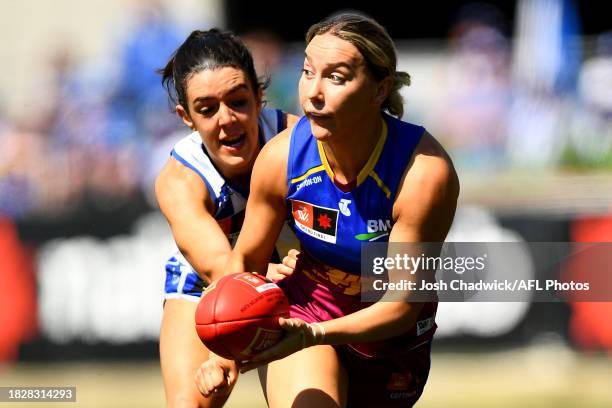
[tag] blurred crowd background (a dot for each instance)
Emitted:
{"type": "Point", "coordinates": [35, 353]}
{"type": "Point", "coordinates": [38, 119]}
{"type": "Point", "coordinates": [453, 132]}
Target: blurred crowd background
{"type": "Point", "coordinates": [525, 90]}
{"type": "Point", "coordinates": [519, 92]}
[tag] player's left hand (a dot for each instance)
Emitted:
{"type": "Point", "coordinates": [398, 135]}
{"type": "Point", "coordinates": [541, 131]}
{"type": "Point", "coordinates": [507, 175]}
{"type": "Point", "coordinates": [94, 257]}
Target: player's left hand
{"type": "Point", "coordinates": [217, 375]}
{"type": "Point", "coordinates": [277, 272]}
{"type": "Point", "coordinates": [298, 335]}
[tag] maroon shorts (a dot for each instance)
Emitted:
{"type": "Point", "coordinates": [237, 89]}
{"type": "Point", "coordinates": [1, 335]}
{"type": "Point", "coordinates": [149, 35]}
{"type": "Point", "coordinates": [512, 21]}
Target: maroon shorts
{"type": "Point", "coordinates": [394, 381]}
{"type": "Point", "coordinates": [384, 374]}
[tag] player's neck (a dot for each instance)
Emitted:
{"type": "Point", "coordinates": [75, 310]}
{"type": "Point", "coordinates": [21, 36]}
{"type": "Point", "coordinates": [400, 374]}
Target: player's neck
{"type": "Point", "coordinates": [347, 155]}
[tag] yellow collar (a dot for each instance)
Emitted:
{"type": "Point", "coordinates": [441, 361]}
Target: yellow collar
{"type": "Point", "coordinates": [369, 166]}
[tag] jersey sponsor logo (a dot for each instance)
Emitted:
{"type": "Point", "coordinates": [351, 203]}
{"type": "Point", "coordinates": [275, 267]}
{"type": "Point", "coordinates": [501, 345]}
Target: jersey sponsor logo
{"type": "Point", "coordinates": [377, 228]}
{"type": "Point", "coordinates": [343, 205]}
{"type": "Point", "coordinates": [309, 181]}
{"type": "Point", "coordinates": [318, 222]}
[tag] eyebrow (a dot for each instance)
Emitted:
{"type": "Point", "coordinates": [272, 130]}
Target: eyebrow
{"type": "Point", "coordinates": [332, 65]}
{"type": "Point", "coordinates": [235, 89]}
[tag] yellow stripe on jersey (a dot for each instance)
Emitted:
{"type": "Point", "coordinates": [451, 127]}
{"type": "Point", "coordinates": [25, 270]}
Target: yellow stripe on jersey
{"type": "Point", "coordinates": [369, 166]}
{"type": "Point", "coordinates": [308, 173]}
{"type": "Point", "coordinates": [325, 164]}
{"type": "Point", "coordinates": [381, 184]}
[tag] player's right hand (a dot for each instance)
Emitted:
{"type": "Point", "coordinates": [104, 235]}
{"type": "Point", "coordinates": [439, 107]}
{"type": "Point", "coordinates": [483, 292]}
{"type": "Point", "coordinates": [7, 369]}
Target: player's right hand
{"type": "Point", "coordinates": [216, 375]}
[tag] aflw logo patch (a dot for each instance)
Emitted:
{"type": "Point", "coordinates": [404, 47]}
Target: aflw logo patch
{"type": "Point", "coordinates": [318, 222]}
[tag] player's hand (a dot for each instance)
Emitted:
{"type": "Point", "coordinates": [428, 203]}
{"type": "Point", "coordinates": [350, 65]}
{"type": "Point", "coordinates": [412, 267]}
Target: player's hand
{"type": "Point", "coordinates": [277, 272]}
{"type": "Point", "coordinates": [298, 335]}
{"type": "Point", "coordinates": [216, 375]}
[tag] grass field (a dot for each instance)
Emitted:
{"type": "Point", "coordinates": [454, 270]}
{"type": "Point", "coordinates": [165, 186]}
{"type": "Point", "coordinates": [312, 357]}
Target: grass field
{"type": "Point", "coordinates": [538, 376]}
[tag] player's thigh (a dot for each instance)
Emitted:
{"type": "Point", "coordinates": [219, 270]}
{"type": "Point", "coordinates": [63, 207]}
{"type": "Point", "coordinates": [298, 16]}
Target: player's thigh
{"type": "Point", "coordinates": [181, 353]}
{"type": "Point", "coordinates": [313, 377]}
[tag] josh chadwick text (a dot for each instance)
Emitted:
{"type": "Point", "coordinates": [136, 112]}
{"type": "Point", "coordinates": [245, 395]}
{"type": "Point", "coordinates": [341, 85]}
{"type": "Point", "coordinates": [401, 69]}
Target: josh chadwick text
{"type": "Point", "coordinates": [481, 285]}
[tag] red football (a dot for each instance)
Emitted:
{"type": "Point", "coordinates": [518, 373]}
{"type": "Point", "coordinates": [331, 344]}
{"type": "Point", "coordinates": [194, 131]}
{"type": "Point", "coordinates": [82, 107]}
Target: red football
{"type": "Point", "coordinates": [237, 316]}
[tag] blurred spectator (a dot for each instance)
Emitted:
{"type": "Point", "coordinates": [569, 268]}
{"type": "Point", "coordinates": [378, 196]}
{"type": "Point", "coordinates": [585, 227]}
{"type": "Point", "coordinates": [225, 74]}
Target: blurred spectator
{"type": "Point", "coordinates": [89, 142]}
{"type": "Point", "coordinates": [21, 167]}
{"type": "Point", "coordinates": [591, 133]}
{"type": "Point", "coordinates": [545, 63]}
{"type": "Point", "coordinates": [474, 100]}
{"type": "Point", "coordinates": [276, 61]}
{"type": "Point", "coordinates": [139, 107]}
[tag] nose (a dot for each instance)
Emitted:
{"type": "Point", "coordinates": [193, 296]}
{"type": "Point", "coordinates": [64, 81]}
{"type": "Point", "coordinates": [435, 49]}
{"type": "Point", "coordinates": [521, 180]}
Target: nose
{"type": "Point", "coordinates": [314, 90]}
{"type": "Point", "coordinates": [226, 115]}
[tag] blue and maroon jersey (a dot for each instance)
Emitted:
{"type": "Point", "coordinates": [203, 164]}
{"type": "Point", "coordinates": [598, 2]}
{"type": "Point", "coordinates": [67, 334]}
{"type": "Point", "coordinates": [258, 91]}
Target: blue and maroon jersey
{"type": "Point", "coordinates": [330, 223]}
{"type": "Point", "coordinates": [333, 223]}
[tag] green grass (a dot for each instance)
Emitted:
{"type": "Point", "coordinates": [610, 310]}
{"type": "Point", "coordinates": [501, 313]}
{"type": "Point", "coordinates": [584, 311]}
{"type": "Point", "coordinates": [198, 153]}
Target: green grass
{"type": "Point", "coordinates": [538, 376]}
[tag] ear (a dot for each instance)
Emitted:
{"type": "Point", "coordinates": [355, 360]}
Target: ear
{"type": "Point", "coordinates": [185, 116]}
{"type": "Point", "coordinates": [383, 90]}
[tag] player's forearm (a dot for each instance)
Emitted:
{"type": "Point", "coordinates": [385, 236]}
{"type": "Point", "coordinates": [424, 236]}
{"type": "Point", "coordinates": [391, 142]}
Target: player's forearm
{"type": "Point", "coordinates": [234, 263]}
{"type": "Point", "coordinates": [379, 321]}
{"type": "Point", "coordinates": [254, 247]}
{"type": "Point", "coordinates": [209, 268]}
{"type": "Point", "coordinates": [239, 262]}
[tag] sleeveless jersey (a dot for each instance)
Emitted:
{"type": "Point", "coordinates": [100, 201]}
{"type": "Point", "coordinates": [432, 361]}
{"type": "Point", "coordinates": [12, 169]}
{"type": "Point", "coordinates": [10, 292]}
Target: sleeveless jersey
{"type": "Point", "coordinates": [331, 224]}
{"type": "Point", "coordinates": [229, 200]}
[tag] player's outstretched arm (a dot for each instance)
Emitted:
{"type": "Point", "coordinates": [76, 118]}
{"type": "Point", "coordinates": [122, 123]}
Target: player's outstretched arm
{"type": "Point", "coordinates": [185, 202]}
{"type": "Point", "coordinates": [265, 215]}
{"type": "Point", "coordinates": [266, 211]}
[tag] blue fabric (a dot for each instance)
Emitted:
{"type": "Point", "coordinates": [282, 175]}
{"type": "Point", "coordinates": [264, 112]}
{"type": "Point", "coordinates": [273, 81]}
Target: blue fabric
{"type": "Point", "coordinates": [331, 224]}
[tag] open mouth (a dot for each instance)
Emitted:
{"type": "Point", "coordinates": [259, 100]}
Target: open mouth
{"type": "Point", "coordinates": [234, 142]}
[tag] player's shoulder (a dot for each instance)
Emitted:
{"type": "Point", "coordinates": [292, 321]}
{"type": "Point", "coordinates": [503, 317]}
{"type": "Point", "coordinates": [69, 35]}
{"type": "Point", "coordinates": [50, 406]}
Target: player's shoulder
{"type": "Point", "coordinates": [431, 172]}
{"type": "Point", "coordinates": [177, 184]}
{"type": "Point", "coordinates": [176, 176]}
{"type": "Point", "coordinates": [291, 120]}
{"type": "Point", "coordinates": [429, 155]}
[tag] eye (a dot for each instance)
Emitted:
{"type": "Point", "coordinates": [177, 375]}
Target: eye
{"type": "Point", "coordinates": [337, 79]}
{"type": "Point", "coordinates": [307, 73]}
{"type": "Point", "coordinates": [207, 110]}
{"type": "Point", "coordinates": [239, 103]}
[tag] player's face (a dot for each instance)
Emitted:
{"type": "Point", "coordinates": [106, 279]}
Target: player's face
{"type": "Point", "coordinates": [224, 109]}
{"type": "Point", "coordinates": [336, 88]}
